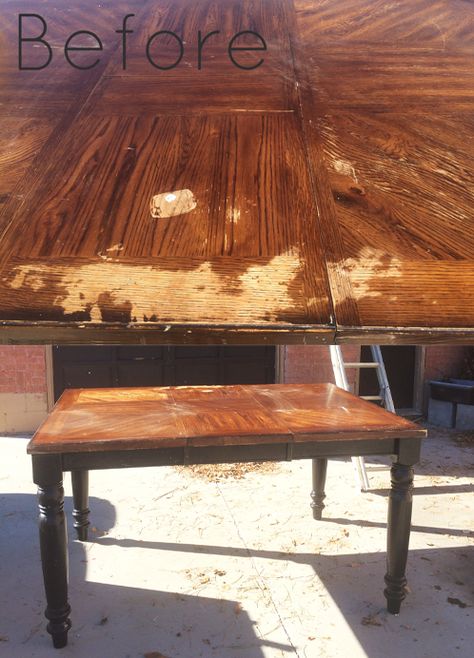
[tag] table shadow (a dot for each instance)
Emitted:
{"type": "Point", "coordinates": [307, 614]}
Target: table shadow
{"type": "Point", "coordinates": [440, 598]}
{"type": "Point", "coordinates": [108, 620]}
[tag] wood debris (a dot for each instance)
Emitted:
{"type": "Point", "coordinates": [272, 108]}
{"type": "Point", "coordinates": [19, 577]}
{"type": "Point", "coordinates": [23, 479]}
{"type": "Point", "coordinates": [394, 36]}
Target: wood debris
{"type": "Point", "coordinates": [371, 620]}
{"type": "Point", "coordinates": [218, 472]}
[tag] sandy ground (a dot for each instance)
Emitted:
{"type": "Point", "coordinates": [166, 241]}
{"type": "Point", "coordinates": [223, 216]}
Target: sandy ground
{"type": "Point", "coordinates": [185, 563]}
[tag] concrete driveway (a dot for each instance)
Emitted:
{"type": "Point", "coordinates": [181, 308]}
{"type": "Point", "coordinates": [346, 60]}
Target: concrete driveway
{"type": "Point", "coordinates": [228, 562]}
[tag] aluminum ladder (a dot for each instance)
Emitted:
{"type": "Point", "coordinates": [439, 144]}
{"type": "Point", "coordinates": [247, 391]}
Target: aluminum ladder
{"type": "Point", "coordinates": [385, 395]}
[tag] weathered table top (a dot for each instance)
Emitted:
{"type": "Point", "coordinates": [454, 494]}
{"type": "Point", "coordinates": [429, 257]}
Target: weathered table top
{"type": "Point", "coordinates": [129, 418]}
{"type": "Point", "coordinates": [326, 195]}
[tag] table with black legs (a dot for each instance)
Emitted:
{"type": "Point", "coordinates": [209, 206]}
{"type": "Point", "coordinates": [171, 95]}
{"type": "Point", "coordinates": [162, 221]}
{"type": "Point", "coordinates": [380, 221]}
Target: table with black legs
{"type": "Point", "coordinates": [94, 429]}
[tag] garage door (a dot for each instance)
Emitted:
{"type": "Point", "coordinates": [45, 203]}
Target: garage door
{"type": "Point", "coordinates": [86, 367]}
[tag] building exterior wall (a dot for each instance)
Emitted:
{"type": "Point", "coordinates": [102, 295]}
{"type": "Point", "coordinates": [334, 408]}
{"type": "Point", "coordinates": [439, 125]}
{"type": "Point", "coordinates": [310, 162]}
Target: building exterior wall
{"type": "Point", "coordinates": [442, 361]}
{"type": "Point", "coordinates": [23, 396]}
{"type": "Point", "coordinates": [311, 364]}
{"type": "Point", "coordinates": [23, 376]}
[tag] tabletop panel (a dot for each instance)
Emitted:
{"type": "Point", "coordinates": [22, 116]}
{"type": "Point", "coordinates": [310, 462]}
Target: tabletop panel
{"type": "Point", "coordinates": [390, 91]}
{"type": "Point", "coordinates": [130, 418]}
{"type": "Point", "coordinates": [323, 196]}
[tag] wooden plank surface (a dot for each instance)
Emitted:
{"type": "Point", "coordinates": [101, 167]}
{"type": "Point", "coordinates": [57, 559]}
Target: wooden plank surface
{"type": "Point", "coordinates": [388, 90]}
{"type": "Point", "coordinates": [140, 418]}
{"type": "Point", "coordinates": [324, 196]}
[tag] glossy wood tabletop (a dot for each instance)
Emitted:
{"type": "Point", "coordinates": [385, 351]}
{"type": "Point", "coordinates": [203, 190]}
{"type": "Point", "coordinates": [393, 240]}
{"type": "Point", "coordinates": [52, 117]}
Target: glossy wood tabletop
{"type": "Point", "coordinates": [326, 195]}
{"type": "Point", "coordinates": [111, 419]}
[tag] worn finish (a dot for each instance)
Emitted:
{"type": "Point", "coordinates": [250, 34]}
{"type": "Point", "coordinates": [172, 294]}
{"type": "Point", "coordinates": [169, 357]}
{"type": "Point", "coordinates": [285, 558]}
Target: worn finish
{"type": "Point", "coordinates": [388, 94]}
{"type": "Point", "coordinates": [189, 416]}
{"type": "Point", "coordinates": [325, 196]}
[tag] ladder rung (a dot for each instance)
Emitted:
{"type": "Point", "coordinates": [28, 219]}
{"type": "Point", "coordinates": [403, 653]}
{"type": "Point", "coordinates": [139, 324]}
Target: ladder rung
{"type": "Point", "coordinates": [360, 364]}
{"type": "Point", "coordinates": [371, 397]}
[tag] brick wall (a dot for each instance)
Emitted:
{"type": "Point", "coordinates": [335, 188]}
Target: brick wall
{"type": "Point", "coordinates": [442, 361]}
{"type": "Point", "coordinates": [22, 369]}
{"type": "Point", "coordinates": [312, 363]}
{"type": "Point", "coordinates": [23, 398]}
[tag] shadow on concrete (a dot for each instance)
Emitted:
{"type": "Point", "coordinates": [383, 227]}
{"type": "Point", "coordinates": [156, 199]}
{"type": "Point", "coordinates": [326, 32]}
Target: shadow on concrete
{"type": "Point", "coordinates": [441, 595]}
{"type": "Point", "coordinates": [172, 624]}
{"type": "Point", "coordinates": [433, 490]}
{"type": "Point", "coordinates": [448, 532]}
{"type": "Point", "coordinates": [151, 622]}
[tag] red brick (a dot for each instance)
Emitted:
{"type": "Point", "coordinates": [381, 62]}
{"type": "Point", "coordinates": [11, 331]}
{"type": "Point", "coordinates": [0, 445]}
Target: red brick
{"type": "Point", "coordinates": [312, 364]}
{"type": "Point", "coordinates": [22, 369]}
{"type": "Point", "coordinates": [442, 361]}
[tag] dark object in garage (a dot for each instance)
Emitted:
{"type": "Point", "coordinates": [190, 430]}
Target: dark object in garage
{"type": "Point", "coordinates": [460, 391]}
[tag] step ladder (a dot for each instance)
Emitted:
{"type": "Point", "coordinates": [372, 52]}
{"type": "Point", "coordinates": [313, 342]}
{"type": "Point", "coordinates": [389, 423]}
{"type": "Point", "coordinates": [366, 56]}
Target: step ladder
{"type": "Point", "coordinates": [384, 397]}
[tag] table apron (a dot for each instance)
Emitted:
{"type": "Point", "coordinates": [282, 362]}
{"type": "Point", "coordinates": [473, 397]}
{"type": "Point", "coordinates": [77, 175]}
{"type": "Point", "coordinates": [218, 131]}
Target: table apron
{"type": "Point", "coordinates": [185, 456]}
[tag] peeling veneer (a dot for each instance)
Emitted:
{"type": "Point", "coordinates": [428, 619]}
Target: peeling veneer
{"type": "Point", "coordinates": [115, 291]}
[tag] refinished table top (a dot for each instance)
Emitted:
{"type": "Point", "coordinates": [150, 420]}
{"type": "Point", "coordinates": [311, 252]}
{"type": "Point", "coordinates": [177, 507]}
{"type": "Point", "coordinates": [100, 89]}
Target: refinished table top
{"type": "Point", "coordinates": [324, 196]}
{"type": "Point", "coordinates": [102, 419]}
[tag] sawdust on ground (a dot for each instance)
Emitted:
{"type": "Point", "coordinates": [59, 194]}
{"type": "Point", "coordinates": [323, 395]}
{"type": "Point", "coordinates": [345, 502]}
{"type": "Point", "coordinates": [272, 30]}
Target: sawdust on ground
{"type": "Point", "coordinates": [237, 471]}
{"type": "Point", "coordinates": [460, 437]}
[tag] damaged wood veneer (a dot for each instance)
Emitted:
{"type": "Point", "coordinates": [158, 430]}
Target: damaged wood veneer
{"type": "Point", "coordinates": [326, 195]}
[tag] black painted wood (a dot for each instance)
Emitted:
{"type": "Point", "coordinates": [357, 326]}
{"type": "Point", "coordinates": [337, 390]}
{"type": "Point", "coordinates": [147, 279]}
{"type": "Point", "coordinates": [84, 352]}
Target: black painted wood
{"type": "Point", "coordinates": [226, 454]}
{"type": "Point", "coordinates": [318, 494]}
{"type": "Point", "coordinates": [398, 534]}
{"type": "Point", "coordinates": [80, 494]}
{"type": "Point", "coordinates": [53, 546]}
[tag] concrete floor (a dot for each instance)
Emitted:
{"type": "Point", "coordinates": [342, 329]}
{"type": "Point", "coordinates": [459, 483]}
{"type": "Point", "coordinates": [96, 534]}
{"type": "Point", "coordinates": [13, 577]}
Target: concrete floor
{"type": "Point", "coordinates": [182, 567]}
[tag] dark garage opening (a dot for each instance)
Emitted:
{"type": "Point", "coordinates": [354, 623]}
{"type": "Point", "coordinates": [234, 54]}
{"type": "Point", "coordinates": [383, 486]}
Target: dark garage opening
{"type": "Point", "coordinates": [400, 364]}
{"type": "Point", "coordinates": [119, 366]}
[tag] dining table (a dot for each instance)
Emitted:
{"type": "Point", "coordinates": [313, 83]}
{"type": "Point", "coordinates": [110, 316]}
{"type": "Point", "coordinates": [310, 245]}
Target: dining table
{"type": "Point", "coordinates": [236, 171]}
{"type": "Point", "coordinates": [119, 428]}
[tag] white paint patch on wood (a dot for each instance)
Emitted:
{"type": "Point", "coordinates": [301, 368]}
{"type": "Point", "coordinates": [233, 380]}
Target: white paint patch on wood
{"type": "Point", "coordinates": [345, 168]}
{"type": "Point", "coordinates": [208, 292]}
{"type": "Point", "coordinates": [370, 266]}
{"type": "Point", "coordinates": [172, 204]}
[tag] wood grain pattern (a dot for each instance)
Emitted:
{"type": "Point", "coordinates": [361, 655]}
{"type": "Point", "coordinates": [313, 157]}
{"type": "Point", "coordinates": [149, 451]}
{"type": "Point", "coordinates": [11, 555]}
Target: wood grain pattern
{"type": "Point", "coordinates": [162, 290]}
{"type": "Point", "coordinates": [329, 191]}
{"type": "Point", "coordinates": [248, 254]}
{"type": "Point", "coordinates": [388, 94]}
{"type": "Point", "coordinates": [141, 418]}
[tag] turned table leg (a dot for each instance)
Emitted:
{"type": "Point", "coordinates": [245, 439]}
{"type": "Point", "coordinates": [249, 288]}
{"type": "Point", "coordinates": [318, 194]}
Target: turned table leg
{"type": "Point", "coordinates": [399, 521]}
{"type": "Point", "coordinates": [80, 494]}
{"type": "Point", "coordinates": [319, 482]}
{"type": "Point", "coordinates": [53, 544]}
